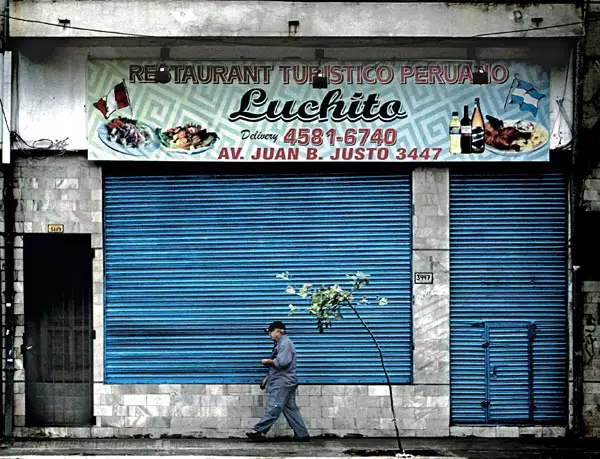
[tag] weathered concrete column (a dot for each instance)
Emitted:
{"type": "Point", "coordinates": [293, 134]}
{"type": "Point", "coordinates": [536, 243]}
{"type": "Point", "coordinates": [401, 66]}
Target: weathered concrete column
{"type": "Point", "coordinates": [431, 301]}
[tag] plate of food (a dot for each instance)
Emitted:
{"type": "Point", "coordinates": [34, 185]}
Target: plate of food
{"type": "Point", "coordinates": [514, 137]}
{"type": "Point", "coordinates": [128, 136]}
{"type": "Point", "coordinates": [188, 139]}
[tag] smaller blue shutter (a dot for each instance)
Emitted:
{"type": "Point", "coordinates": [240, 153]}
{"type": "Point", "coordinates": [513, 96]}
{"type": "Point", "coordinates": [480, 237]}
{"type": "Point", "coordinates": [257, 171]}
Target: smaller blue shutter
{"type": "Point", "coordinates": [508, 262]}
{"type": "Point", "coordinates": [190, 265]}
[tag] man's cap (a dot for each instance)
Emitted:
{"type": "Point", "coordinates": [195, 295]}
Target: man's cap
{"type": "Point", "coordinates": [275, 325]}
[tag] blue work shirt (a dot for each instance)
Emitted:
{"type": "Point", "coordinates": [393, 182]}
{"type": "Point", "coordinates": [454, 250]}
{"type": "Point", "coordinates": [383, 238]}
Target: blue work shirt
{"type": "Point", "coordinates": [283, 371]}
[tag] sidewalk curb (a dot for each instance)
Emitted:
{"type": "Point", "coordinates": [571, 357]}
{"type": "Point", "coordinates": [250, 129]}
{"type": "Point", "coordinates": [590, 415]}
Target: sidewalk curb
{"type": "Point", "coordinates": [147, 456]}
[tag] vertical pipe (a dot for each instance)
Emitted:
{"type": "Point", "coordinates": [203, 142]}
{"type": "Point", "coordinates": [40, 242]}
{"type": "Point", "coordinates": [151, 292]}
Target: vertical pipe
{"type": "Point", "coordinates": [578, 426]}
{"type": "Point", "coordinates": [2, 307]}
{"type": "Point", "coordinates": [9, 296]}
{"type": "Point", "coordinates": [577, 177]}
{"type": "Point", "coordinates": [6, 95]}
{"type": "Point", "coordinates": [9, 238]}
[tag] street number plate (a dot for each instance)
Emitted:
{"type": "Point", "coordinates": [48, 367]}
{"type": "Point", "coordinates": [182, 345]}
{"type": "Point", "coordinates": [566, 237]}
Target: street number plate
{"type": "Point", "coordinates": [423, 278]}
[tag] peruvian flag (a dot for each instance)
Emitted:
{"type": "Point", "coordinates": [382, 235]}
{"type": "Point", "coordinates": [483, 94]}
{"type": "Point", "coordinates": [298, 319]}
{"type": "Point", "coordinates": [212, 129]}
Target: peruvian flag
{"type": "Point", "coordinates": [113, 101]}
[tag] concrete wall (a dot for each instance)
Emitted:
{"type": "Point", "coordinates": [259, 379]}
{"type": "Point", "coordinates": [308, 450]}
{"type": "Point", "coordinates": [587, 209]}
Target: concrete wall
{"type": "Point", "coordinates": [51, 79]}
{"type": "Point", "coordinates": [50, 91]}
{"type": "Point", "coordinates": [67, 189]}
{"type": "Point", "coordinates": [235, 18]}
{"type": "Point", "coordinates": [591, 353]}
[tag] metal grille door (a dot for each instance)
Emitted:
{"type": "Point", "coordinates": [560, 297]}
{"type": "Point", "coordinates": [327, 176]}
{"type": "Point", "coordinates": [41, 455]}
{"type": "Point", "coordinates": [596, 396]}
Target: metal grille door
{"type": "Point", "coordinates": [508, 263]}
{"type": "Point", "coordinates": [509, 361]}
{"type": "Point", "coordinates": [191, 264]}
{"type": "Point", "coordinates": [57, 345]}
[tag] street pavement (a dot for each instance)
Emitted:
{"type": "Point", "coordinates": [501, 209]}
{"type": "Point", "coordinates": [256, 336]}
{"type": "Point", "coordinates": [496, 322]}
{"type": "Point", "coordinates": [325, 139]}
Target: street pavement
{"type": "Point", "coordinates": [184, 448]}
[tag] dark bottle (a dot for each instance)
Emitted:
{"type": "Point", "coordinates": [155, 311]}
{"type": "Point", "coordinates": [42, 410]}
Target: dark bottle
{"type": "Point", "coordinates": [465, 131]}
{"type": "Point", "coordinates": [477, 130]}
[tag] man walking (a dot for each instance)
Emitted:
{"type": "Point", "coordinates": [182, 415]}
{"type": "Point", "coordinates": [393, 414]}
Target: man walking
{"type": "Point", "coordinates": [281, 387]}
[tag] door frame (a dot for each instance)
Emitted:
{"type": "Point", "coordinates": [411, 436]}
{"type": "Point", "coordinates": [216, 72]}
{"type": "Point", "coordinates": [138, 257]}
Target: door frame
{"type": "Point", "coordinates": [39, 250]}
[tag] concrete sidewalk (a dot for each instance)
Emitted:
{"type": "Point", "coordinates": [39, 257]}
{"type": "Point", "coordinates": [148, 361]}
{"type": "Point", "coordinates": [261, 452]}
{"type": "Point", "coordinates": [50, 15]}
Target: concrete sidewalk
{"type": "Point", "coordinates": [480, 448]}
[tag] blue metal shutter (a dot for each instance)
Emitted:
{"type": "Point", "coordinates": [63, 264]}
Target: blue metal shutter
{"type": "Point", "coordinates": [190, 265]}
{"type": "Point", "coordinates": [508, 258]}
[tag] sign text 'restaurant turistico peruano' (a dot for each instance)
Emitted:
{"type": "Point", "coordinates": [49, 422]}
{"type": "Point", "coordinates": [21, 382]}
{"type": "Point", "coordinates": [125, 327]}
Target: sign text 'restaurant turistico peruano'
{"type": "Point", "coordinates": [269, 111]}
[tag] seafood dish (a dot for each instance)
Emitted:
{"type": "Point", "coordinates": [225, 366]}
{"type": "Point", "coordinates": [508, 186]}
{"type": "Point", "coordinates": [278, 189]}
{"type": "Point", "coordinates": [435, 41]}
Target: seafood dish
{"type": "Point", "coordinates": [128, 133]}
{"type": "Point", "coordinates": [128, 137]}
{"type": "Point", "coordinates": [190, 137]}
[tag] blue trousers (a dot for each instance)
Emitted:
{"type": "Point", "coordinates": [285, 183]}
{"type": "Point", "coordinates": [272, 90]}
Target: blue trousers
{"type": "Point", "coordinates": [282, 399]}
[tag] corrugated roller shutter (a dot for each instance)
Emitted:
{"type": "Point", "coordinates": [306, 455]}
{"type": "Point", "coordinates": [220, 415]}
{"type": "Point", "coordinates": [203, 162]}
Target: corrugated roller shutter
{"type": "Point", "coordinates": [508, 263]}
{"type": "Point", "coordinates": [190, 265]}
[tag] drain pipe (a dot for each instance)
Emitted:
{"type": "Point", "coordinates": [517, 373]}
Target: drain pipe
{"type": "Point", "coordinates": [9, 295]}
{"type": "Point", "coordinates": [9, 228]}
{"type": "Point", "coordinates": [577, 177]}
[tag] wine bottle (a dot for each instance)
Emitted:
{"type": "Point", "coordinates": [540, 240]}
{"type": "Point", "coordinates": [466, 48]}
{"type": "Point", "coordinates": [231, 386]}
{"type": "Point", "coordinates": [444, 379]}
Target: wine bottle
{"type": "Point", "coordinates": [465, 131]}
{"type": "Point", "coordinates": [477, 130]}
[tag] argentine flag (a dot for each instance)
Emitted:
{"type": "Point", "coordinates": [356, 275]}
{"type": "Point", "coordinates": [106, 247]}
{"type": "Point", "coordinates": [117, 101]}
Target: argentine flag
{"type": "Point", "coordinates": [525, 95]}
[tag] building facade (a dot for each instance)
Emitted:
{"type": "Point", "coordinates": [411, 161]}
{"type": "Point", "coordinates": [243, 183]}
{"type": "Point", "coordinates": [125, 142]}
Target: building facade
{"type": "Point", "coordinates": [140, 269]}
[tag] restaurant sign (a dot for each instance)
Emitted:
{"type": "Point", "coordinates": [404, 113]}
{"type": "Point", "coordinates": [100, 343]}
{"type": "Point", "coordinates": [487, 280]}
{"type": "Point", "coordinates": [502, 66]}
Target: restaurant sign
{"type": "Point", "coordinates": [269, 111]}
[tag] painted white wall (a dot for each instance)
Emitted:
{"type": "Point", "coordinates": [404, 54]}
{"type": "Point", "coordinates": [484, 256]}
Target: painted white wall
{"type": "Point", "coordinates": [50, 84]}
{"type": "Point", "coordinates": [49, 96]}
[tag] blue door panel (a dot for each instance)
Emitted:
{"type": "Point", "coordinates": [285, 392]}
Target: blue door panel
{"type": "Point", "coordinates": [509, 380]}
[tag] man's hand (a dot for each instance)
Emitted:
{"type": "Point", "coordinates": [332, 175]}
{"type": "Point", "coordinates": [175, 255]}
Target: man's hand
{"type": "Point", "coordinates": [267, 362]}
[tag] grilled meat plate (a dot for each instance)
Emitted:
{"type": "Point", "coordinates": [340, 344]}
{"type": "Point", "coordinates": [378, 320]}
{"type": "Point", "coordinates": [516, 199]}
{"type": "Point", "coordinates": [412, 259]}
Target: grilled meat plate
{"type": "Point", "coordinates": [503, 137]}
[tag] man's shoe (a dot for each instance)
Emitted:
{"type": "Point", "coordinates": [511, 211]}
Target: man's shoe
{"type": "Point", "coordinates": [296, 438]}
{"type": "Point", "coordinates": [256, 436]}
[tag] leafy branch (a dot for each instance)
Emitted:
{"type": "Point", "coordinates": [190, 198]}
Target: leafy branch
{"type": "Point", "coordinates": [326, 303]}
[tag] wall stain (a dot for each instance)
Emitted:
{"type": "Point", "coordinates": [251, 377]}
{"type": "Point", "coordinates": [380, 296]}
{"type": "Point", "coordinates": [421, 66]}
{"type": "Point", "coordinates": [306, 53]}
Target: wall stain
{"type": "Point", "coordinates": [590, 349]}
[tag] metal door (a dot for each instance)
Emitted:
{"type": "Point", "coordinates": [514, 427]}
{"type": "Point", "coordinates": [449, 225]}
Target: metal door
{"type": "Point", "coordinates": [190, 265]}
{"type": "Point", "coordinates": [58, 330]}
{"type": "Point", "coordinates": [509, 368]}
{"type": "Point", "coordinates": [508, 263]}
